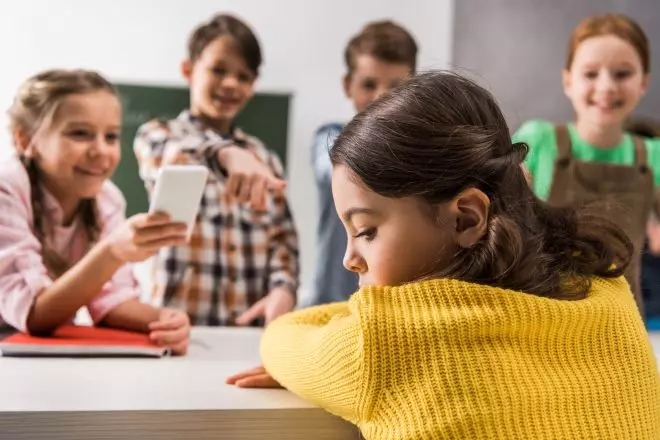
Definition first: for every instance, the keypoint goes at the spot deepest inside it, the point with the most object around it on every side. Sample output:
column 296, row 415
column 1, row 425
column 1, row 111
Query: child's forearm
column 132, row 315
column 316, row 353
column 59, row 302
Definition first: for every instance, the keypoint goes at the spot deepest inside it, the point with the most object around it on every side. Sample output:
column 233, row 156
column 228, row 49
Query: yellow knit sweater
column 446, row 359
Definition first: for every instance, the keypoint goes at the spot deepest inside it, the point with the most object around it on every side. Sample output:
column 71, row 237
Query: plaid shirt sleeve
column 149, row 147
column 283, row 252
column 156, row 145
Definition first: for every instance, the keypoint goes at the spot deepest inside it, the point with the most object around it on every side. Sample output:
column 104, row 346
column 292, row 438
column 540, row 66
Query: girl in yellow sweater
column 504, row 318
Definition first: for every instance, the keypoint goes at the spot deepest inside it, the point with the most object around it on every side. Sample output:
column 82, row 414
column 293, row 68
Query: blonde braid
column 54, row 262
column 91, row 221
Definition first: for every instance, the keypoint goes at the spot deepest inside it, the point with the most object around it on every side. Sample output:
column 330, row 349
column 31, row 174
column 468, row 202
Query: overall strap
column 563, row 142
column 641, row 155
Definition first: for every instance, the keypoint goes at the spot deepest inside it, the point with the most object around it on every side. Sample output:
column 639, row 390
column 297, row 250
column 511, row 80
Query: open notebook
column 71, row 340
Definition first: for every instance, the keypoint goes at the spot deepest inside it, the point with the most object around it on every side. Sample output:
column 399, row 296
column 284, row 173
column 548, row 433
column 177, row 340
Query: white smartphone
column 178, row 192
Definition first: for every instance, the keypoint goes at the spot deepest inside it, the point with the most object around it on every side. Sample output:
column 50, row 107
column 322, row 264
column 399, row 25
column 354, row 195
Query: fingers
column 250, row 182
column 258, row 381
column 274, row 313
column 171, row 330
column 242, row 375
column 170, row 337
column 258, row 195
column 180, row 349
column 254, row 312
column 156, row 230
column 253, row 190
column 281, row 301
column 150, row 234
column 156, row 245
column 170, row 320
column 233, row 183
column 245, row 188
column 276, row 184
column 151, row 219
column 254, row 378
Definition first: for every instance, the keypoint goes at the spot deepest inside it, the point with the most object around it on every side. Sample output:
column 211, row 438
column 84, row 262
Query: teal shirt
column 540, row 136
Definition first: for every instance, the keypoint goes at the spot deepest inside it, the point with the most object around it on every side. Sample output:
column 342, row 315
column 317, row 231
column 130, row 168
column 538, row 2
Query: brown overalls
column 629, row 189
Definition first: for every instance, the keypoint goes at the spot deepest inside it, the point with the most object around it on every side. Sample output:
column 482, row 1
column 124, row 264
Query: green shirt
column 540, row 136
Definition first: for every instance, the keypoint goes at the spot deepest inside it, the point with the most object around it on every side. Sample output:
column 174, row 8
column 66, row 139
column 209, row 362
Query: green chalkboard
column 266, row 116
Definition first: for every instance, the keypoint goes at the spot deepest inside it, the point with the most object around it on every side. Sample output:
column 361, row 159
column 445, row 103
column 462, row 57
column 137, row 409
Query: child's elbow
column 39, row 329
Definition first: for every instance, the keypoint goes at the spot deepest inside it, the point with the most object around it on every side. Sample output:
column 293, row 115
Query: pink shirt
column 23, row 274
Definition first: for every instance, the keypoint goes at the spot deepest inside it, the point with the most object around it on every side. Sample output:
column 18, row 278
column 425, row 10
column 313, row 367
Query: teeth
column 607, row 106
column 92, row 173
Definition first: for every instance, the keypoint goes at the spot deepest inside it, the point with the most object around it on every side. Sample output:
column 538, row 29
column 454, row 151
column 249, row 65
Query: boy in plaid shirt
column 241, row 265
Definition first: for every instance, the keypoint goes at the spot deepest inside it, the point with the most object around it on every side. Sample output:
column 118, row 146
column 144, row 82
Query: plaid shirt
column 235, row 255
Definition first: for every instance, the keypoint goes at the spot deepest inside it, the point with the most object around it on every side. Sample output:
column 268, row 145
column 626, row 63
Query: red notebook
column 71, row 340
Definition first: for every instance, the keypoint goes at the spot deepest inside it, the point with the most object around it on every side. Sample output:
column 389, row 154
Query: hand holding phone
column 142, row 235
column 178, row 193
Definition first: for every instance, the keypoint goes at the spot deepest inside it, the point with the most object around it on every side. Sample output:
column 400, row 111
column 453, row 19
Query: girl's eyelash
column 78, row 133
column 366, row 233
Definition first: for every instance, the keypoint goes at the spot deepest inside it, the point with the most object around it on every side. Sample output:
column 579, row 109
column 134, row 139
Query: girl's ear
column 469, row 211
column 23, row 142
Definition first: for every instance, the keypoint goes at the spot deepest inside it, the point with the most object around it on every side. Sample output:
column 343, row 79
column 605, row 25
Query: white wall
column 144, row 41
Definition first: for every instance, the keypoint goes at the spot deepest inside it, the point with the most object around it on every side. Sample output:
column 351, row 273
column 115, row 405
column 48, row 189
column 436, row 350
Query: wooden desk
column 171, row 398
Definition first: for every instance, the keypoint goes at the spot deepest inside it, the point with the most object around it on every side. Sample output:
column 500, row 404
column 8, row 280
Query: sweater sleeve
column 317, row 354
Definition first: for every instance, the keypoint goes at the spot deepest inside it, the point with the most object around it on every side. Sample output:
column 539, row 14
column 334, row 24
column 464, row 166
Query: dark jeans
column 651, row 284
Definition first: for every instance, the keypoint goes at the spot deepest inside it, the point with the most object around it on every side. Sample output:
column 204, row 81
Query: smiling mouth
column 227, row 101
column 607, row 106
column 88, row 172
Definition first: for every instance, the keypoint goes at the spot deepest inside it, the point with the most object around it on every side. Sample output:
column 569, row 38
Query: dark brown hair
column 224, row 24
column 618, row 25
column 385, row 41
column 33, row 111
column 439, row 134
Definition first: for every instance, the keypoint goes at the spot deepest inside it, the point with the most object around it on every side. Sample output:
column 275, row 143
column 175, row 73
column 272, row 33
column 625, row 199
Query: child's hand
column 171, row 330
column 254, row 378
column 278, row 302
column 249, row 178
column 142, row 235
column 653, row 235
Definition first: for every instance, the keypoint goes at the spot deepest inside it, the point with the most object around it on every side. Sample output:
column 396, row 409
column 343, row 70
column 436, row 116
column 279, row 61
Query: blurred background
column 514, row 47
